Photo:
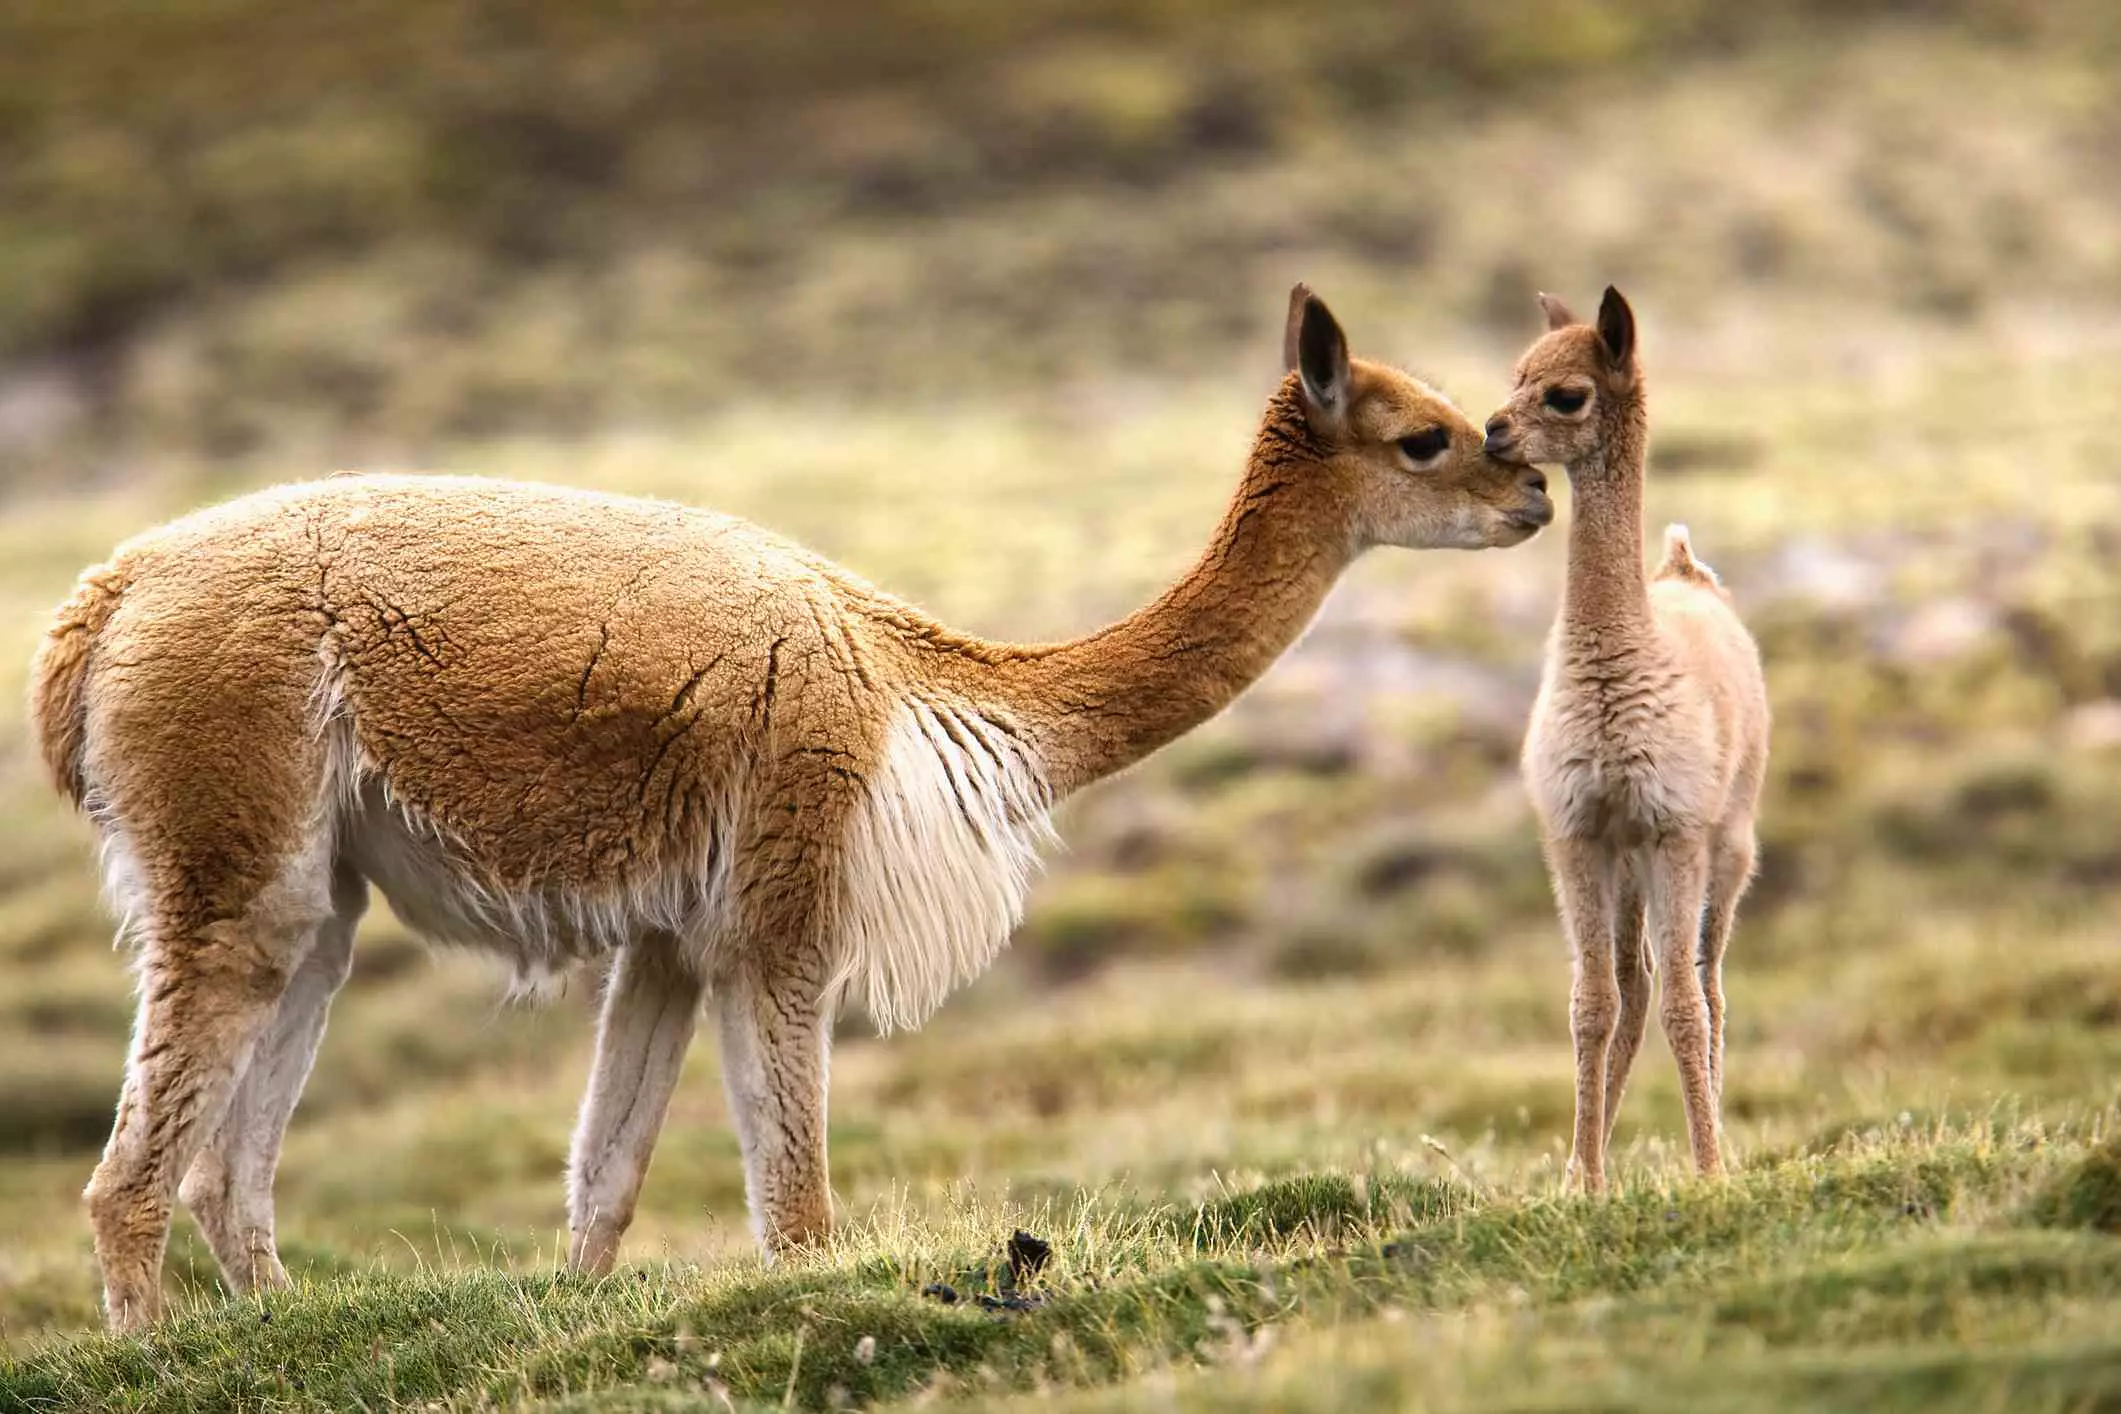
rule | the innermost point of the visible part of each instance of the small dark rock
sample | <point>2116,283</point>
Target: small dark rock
<point>1011,1302</point>
<point>1027,1256</point>
<point>941,1291</point>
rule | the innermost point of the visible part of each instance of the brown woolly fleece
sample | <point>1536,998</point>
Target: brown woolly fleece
<point>564,727</point>
<point>1648,743</point>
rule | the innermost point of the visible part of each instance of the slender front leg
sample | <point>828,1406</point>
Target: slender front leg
<point>1678,887</point>
<point>229,1186</point>
<point>776,1047</point>
<point>1730,870</point>
<point>651,1005</point>
<point>1631,959</point>
<point>1583,885</point>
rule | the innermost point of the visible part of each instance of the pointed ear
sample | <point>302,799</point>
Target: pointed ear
<point>1558,315</point>
<point>1318,351</point>
<point>1616,329</point>
<point>1291,342</point>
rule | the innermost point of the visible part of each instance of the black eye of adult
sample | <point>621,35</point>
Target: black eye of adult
<point>1424,445</point>
<point>1565,399</point>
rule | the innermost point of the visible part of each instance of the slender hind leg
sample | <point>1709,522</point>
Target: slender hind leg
<point>217,786</point>
<point>1730,871</point>
<point>651,1005</point>
<point>208,993</point>
<point>776,1046</point>
<point>1631,958</point>
<point>229,1186</point>
<point>1678,888</point>
<point>1584,885</point>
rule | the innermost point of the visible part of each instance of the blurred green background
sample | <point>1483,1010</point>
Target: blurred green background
<point>984,300</point>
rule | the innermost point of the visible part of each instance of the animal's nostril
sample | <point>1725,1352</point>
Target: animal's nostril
<point>1537,481</point>
<point>1498,430</point>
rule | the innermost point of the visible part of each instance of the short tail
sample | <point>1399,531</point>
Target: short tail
<point>58,681</point>
<point>1679,561</point>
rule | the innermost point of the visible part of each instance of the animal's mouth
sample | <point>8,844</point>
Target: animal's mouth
<point>1535,516</point>
<point>1514,531</point>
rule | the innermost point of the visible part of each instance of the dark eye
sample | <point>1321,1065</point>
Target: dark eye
<point>1565,399</point>
<point>1425,446</point>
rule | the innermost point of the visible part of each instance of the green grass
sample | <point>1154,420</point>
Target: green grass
<point>1900,1244</point>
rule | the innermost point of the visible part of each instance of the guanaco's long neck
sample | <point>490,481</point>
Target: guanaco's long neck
<point>1608,588</point>
<point>1100,703</point>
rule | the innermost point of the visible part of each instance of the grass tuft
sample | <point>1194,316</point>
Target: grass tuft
<point>2087,1195</point>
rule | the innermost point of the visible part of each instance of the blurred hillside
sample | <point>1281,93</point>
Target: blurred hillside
<point>983,300</point>
<point>241,234</point>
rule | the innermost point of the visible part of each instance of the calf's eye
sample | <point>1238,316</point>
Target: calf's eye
<point>1426,445</point>
<point>1566,399</point>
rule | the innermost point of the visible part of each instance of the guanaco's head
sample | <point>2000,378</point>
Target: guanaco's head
<point>1411,464</point>
<point>1575,387</point>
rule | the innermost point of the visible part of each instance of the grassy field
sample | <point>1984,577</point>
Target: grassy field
<point>1279,1063</point>
<point>1876,1268</point>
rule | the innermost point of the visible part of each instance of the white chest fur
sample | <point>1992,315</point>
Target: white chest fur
<point>1613,758</point>
<point>939,857</point>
